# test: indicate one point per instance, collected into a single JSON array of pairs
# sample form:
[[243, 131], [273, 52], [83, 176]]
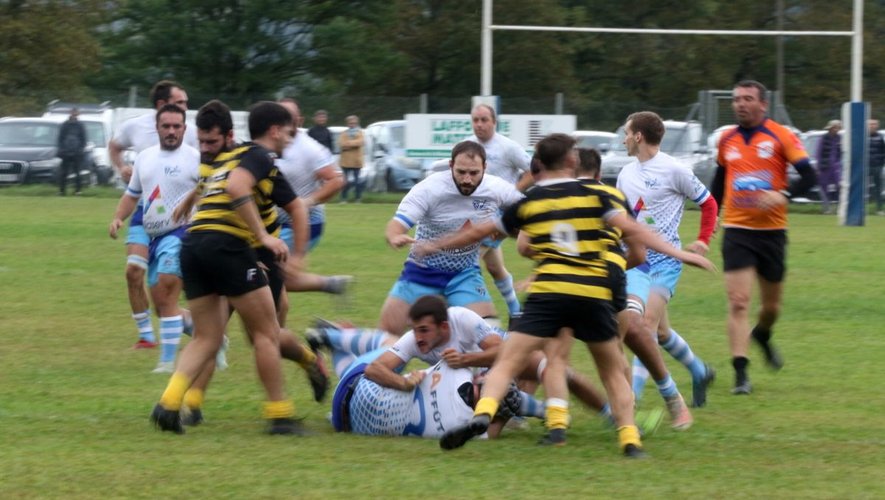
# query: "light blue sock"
[[144, 325], [679, 349], [640, 376], [667, 387], [530, 407], [606, 413], [170, 335], [341, 361], [356, 341], [505, 287]]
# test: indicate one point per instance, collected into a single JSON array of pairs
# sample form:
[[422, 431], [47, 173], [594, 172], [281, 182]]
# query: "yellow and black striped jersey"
[[214, 211], [575, 249]]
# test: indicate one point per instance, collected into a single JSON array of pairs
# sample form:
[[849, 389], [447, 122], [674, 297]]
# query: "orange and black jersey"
[[214, 211], [575, 248]]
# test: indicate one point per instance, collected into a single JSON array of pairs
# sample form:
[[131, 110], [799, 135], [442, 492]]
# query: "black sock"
[[762, 335], [740, 367]]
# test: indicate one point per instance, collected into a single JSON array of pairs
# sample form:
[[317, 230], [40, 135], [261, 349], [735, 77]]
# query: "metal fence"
[[591, 114]]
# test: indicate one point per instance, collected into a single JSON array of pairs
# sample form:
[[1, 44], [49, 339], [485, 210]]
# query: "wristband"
[[242, 200]]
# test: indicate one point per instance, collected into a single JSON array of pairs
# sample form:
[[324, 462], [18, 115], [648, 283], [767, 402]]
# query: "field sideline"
[[75, 399]]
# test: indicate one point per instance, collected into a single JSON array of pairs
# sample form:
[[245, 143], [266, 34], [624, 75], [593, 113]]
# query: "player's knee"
[[136, 267], [738, 302], [135, 275]]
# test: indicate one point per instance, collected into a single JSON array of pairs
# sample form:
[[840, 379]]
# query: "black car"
[[28, 151]]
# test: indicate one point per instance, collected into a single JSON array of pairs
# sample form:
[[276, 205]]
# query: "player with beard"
[[215, 130], [236, 222], [162, 177], [442, 203]]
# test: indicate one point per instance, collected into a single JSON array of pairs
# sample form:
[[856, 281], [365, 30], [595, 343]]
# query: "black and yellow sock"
[[486, 406], [629, 434], [308, 359], [174, 393], [556, 413], [193, 398], [278, 409]]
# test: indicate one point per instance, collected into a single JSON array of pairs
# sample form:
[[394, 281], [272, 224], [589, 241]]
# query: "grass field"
[[75, 399]]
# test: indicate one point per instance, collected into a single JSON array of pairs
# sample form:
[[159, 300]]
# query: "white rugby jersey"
[[299, 164], [161, 179], [467, 330], [656, 191], [505, 158], [140, 133], [429, 410], [438, 208]]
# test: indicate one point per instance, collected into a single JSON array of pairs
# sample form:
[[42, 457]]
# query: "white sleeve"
[[413, 207], [124, 135], [690, 186], [520, 159], [134, 188], [321, 158], [405, 348], [473, 328]]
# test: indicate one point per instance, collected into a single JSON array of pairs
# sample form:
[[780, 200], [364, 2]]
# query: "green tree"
[[47, 50], [242, 51]]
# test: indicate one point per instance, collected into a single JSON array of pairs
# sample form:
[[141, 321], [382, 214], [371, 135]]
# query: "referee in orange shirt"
[[751, 184]]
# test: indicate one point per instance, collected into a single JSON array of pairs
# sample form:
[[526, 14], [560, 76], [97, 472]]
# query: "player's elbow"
[[375, 372]]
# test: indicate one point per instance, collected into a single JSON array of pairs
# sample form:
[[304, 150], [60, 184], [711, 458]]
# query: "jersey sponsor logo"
[[154, 196], [479, 205], [155, 226], [765, 149], [172, 171], [651, 183], [751, 183], [732, 153]]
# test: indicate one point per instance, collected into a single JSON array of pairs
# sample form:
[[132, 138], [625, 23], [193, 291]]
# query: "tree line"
[[382, 54]]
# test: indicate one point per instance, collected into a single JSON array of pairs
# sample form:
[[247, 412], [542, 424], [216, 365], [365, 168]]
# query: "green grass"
[[74, 398]]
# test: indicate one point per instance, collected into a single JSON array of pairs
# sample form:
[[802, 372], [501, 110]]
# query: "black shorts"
[[274, 274], [543, 314], [766, 251], [218, 263]]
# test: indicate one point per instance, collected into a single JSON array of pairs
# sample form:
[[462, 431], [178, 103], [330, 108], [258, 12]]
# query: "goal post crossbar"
[[653, 31]]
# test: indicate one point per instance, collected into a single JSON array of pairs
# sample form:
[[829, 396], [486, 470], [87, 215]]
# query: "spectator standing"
[[877, 159], [351, 142], [320, 132], [71, 144], [829, 164]]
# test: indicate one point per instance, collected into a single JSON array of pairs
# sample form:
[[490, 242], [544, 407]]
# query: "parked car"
[[596, 139], [386, 167], [28, 151]]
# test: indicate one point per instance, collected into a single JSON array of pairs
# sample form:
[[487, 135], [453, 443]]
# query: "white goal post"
[[852, 206]]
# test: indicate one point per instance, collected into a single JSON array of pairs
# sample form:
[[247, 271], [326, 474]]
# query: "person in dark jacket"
[[320, 132], [875, 163], [829, 164], [71, 145]]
